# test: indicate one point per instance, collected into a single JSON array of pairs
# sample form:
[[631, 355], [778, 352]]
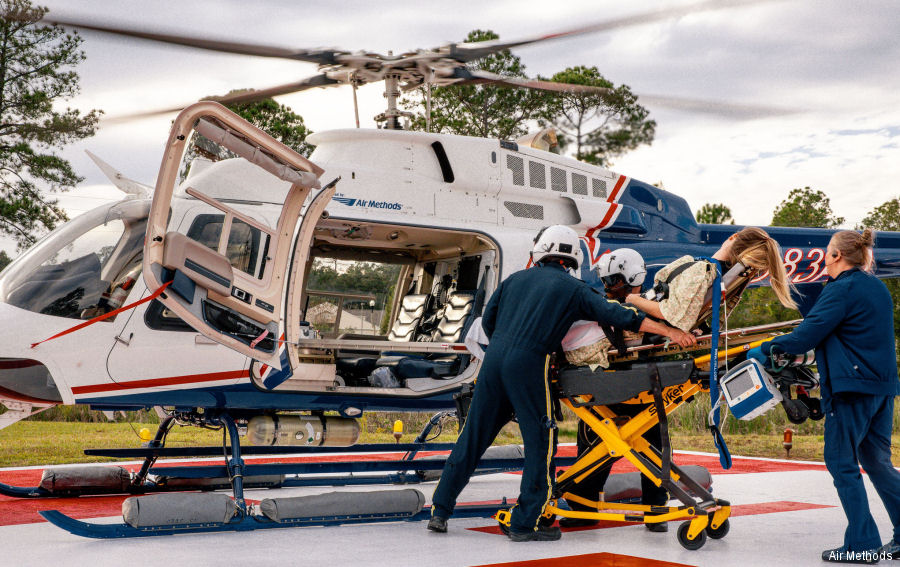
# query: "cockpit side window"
[[71, 283]]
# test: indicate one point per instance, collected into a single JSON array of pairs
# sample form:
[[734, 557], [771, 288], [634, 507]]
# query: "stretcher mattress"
[[610, 387]]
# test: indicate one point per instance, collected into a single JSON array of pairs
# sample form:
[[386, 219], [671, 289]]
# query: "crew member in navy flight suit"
[[525, 320], [852, 329]]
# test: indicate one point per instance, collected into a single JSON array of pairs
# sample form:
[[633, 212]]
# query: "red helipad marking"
[[15, 511], [590, 560], [739, 510]]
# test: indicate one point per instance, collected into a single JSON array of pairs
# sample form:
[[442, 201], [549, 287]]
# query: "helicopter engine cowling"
[[303, 430]]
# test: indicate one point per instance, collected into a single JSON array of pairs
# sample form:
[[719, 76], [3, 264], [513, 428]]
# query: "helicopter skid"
[[245, 523]]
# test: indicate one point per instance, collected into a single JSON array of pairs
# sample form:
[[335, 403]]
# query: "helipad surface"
[[784, 513]]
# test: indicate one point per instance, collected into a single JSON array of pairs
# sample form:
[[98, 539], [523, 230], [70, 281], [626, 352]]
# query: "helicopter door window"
[[246, 247]]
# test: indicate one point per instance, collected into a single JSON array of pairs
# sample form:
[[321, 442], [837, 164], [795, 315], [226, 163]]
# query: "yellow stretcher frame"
[[706, 517]]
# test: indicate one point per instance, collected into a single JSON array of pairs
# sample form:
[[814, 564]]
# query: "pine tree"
[[36, 71]]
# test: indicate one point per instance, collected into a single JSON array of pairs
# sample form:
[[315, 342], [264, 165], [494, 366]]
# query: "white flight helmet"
[[625, 262], [557, 241]]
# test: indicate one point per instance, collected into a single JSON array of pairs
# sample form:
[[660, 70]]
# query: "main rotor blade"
[[716, 108], [322, 57], [475, 50], [477, 76], [321, 80]]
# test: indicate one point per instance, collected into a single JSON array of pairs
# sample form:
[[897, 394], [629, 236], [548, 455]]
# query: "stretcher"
[[663, 377]]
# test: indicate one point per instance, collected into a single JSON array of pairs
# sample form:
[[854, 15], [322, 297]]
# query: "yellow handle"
[[735, 350]]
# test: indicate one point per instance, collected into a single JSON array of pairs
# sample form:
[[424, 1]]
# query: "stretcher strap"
[[666, 452], [718, 440], [89, 322]]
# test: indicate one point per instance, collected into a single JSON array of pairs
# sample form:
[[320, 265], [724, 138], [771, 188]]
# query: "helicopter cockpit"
[[83, 269]]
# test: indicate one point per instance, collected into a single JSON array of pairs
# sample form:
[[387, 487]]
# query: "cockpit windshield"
[[83, 269]]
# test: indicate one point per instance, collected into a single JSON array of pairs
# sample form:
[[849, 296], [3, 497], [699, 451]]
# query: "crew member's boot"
[[542, 533], [438, 524]]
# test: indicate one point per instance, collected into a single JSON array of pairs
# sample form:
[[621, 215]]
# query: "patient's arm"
[[677, 336], [646, 305]]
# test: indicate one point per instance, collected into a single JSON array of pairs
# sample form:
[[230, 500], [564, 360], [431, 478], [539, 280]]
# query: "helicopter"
[[229, 330]]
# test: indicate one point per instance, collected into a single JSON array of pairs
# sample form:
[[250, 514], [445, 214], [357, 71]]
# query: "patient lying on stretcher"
[[683, 289]]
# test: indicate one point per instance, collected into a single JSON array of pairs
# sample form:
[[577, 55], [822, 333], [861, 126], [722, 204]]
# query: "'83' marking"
[[793, 257]]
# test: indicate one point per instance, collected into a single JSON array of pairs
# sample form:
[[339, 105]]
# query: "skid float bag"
[[63, 479], [177, 509], [405, 502]]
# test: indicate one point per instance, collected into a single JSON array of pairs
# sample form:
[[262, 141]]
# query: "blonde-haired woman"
[[851, 327], [751, 246]]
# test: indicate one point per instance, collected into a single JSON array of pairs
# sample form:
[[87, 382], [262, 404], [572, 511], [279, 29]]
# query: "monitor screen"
[[739, 384]]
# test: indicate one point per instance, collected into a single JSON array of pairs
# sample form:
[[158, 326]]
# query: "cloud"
[[832, 61]]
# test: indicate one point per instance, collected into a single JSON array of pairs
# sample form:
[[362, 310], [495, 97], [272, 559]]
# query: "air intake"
[[524, 210]]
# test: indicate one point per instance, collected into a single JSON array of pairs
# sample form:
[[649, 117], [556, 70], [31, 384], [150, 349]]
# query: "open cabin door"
[[238, 307]]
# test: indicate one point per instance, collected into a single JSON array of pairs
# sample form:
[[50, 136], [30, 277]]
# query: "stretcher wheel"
[[719, 532], [691, 544]]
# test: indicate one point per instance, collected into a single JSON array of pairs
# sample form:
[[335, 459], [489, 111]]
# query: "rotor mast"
[[391, 116]]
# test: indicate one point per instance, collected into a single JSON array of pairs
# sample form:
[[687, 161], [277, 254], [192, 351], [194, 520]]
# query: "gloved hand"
[[758, 354]]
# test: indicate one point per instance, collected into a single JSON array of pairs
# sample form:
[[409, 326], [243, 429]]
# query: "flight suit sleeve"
[[489, 318], [595, 307], [823, 318]]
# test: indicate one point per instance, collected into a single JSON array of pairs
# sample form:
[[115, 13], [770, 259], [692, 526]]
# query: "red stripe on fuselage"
[[156, 382], [612, 207]]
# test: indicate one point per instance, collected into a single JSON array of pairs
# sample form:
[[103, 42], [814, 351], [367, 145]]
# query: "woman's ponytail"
[[778, 276]]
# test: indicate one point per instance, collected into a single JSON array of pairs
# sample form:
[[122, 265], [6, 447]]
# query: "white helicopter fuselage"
[[496, 192]]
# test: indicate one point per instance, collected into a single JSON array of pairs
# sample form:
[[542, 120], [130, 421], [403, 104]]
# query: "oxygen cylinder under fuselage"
[[303, 430]]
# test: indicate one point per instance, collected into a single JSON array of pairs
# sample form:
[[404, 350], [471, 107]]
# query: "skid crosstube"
[[216, 451], [337, 467], [622, 436]]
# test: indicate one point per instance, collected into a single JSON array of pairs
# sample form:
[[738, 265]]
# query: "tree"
[[601, 126], [4, 259], [806, 207], [277, 120], [714, 213], [36, 72], [887, 217], [484, 110], [883, 217]]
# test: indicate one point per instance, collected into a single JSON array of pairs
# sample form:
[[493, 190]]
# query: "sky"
[[834, 63]]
